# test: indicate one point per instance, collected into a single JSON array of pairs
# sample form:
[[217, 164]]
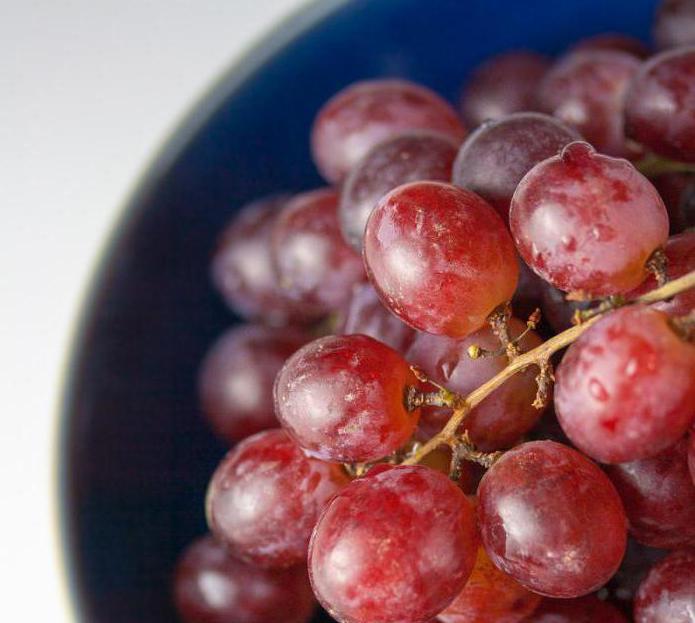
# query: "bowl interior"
[[136, 455]]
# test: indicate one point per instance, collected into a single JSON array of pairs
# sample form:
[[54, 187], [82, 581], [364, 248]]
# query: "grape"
[[625, 388], [588, 609], [315, 266], [680, 256], [394, 547], [613, 41], [492, 160], [237, 375], [660, 105], [369, 112], [529, 291], [633, 569], [408, 157], [490, 595], [242, 269], [691, 454], [265, 497], [211, 586], [659, 497], [674, 25], [551, 519], [677, 189], [586, 90], [366, 315], [503, 85], [668, 593], [587, 222], [439, 257], [507, 413], [343, 399], [557, 310]]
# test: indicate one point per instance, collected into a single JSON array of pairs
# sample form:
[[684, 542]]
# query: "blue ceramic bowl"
[[136, 455]]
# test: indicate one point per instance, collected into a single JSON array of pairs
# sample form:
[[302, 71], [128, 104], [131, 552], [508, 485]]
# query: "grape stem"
[[539, 356]]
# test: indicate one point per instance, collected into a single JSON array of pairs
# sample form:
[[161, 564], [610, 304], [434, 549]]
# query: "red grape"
[[674, 25], [366, 315], [613, 41], [691, 454], [660, 105], [490, 595], [394, 547], [633, 569], [503, 85], [242, 269], [659, 497], [409, 157], [507, 413], [667, 595], [367, 113], [625, 388], [266, 496], [587, 222], [551, 519], [237, 375], [588, 609], [211, 586], [677, 189], [439, 257], [492, 160], [586, 89], [315, 266], [557, 310], [680, 256], [343, 399]]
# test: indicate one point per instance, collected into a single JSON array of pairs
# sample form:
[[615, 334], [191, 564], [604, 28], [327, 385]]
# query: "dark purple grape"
[[586, 90], [667, 595], [237, 375], [551, 519], [659, 497], [660, 105], [674, 24], [211, 586], [503, 85], [410, 157], [494, 158]]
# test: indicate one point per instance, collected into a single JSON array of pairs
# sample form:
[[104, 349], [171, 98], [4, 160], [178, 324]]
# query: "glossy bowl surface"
[[135, 454]]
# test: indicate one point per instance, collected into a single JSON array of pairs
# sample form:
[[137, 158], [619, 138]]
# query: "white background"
[[88, 91]]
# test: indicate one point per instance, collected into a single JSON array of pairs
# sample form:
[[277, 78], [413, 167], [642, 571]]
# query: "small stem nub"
[[499, 323], [544, 382], [607, 304], [477, 352], [657, 265], [463, 450]]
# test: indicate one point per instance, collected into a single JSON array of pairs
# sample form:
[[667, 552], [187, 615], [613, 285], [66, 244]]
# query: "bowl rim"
[[261, 51]]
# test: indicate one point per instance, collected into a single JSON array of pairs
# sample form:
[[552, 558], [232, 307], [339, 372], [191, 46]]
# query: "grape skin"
[[342, 399], [551, 519], [394, 547], [586, 90], [624, 390], [502, 85], [236, 378], [408, 157], [588, 609], [369, 112], [674, 24], [439, 257], [660, 105], [659, 497], [266, 496], [493, 159], [211, 586], [587, 223], [667, 595], [490, 595], [316, 268], [506, 414]]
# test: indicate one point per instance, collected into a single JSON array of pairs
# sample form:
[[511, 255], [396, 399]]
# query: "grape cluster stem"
[[540, 357]]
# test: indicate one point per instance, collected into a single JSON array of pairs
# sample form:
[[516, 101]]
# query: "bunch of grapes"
[[406, 446]]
